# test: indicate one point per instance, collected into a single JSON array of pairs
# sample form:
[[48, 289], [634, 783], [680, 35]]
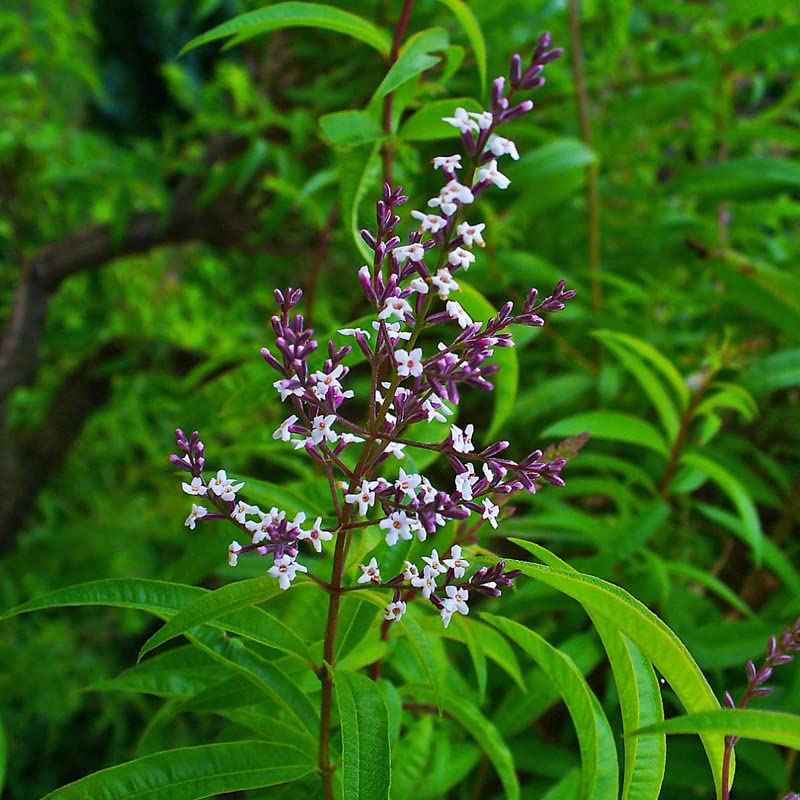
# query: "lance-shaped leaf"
[[190, 773], [366, 756], [611, 425], [599, 777]]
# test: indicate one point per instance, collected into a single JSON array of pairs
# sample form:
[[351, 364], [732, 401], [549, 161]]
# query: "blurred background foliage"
[[149, 204]]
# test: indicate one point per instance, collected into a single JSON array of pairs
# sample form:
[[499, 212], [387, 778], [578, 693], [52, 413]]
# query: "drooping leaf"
[[366, 755], [613, 425], [190, 773], [226, 600], [764, 726], [414, 57], [295, 15], [599, 776], [464, 14]]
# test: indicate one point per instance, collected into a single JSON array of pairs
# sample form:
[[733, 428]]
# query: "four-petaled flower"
[[461, 258], [435, 563], [197, 512], [413, 252], [395, 307], [223, 487], [285, 569], [408, 483], [426, 582], [394, 611], [456, 311], [398, 525], [490, 512], [491, 173], [409, 364], [444, 283], [364, 498], [429, 222], [455, 562], [462, 440], [472, 233], [449, 163], [370, 572], [456, 601], [322, 428], [282, 432], [316, 535], [196, 487], [501, 147], [461, 120], [451, 194]]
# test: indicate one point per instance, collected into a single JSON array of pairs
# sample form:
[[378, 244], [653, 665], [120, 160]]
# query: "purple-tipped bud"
[[279, 298], [772, 646], [365, 279], [533, 83], [552, 55], [541, 45], [497, 90], [515, 72], [763, 691], [751, 670], [763, 676], [368, 238], [729, 702], [782, 659], [180, 463], [517, 111]]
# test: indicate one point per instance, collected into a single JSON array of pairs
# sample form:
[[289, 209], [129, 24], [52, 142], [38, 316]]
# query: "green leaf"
[[651, 385], [731, 486], [466, 17], [356, 617], [350, 128], [654, 356], [419, 641], [280, 689], [599, 777], [553, 158], [613, 425], [366, 164], [413, 59], [640, 703], [776, 371], [3, 756], [506, 379], [764, 726], [295, 15], [481, 729], [426, 123], [366, 756], [477, 654], [649, 633], [712, 583], [747, 178], [267, 628], [193, 772]]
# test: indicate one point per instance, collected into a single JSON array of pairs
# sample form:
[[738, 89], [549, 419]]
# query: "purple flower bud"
[[180, 463], [751, 670], [552, 55], [541, 45], [516, 69], [763, 691], [729, 702], [368, 238], [517, 111], [763, 675]]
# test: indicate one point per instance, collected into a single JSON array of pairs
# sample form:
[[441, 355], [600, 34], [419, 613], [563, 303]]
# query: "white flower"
[[428, 492], [419, 286], [410, 571], [426, 582], [197, 512], [408, 483], [395, 449], [450, 163], [364, 498], [455, 562], [461, 120], [435, 408], [393, 329], [324, 380], [234, 548], [444, 283], [283, 386], [316, 535], [429, 222], [461, 258], [409, 364], [456, 601], [350, 438], [395, 307], [490, 512], [322, 428], [196, 487], [434, 563], [283, 432], [502, 147], [242, 509], [224, 487], [456, 311], [472, 233], [491, 173], [398, 525], [447, 615], [299, 444], [484, 119], [354, 331], [450, 194], [465, 481], [414, 252], [285, 569], [371, 572], [260, 528], [394, 611], [462, 440]]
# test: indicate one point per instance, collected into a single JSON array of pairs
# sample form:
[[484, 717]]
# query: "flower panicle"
[[411, 285]]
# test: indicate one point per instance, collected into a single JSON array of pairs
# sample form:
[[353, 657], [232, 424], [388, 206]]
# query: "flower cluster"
[[422, 348]]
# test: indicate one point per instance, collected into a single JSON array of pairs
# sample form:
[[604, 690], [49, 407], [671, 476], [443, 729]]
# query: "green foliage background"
[[687, 374]]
